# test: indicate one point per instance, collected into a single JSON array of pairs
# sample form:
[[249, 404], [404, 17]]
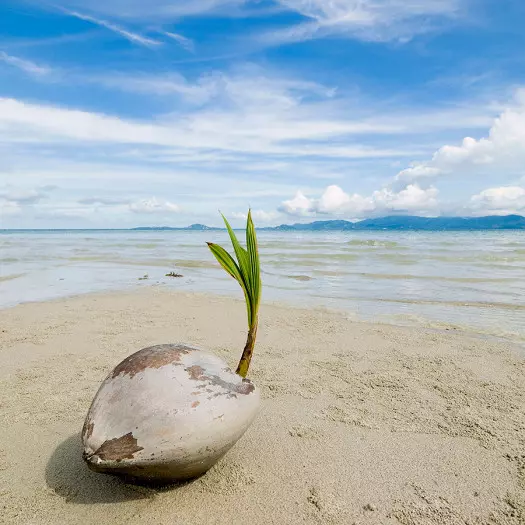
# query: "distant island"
[[395, 222], [194, 227]]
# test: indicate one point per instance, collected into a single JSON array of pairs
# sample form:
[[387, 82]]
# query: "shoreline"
[[360, 422], [352, 316]]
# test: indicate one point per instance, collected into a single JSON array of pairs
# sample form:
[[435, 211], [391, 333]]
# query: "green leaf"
[[247, 268], [255, 270], [228, 263], [240, 253]]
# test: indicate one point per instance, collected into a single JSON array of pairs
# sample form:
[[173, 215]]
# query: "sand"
[[360, 423]]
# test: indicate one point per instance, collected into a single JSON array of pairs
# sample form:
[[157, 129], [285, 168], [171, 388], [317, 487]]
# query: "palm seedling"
[[247, 272]]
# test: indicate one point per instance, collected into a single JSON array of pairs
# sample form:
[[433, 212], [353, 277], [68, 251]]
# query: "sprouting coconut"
[[170, 412]]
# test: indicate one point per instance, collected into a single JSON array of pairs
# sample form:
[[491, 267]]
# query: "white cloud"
[[249, 128], [22, 197], [300, 205], [365, 19], [14, 202], [154, 205], [502, 150], [256, 127], [25, 65], [335, 201], [412, 199], [199, 92], [161, 9], [257, 216], [506, 200], [104, 201], [183, 41], [8, 208], [132, 37]]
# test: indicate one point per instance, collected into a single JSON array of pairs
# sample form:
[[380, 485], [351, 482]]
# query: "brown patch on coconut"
[[152, 357], [118, 449], [230, 389], [87, 431], [246, 387], [195, 404], [196, 373]]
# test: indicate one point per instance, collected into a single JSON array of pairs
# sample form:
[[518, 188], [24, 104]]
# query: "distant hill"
[[395, 222], [409, 222], [193, 227]]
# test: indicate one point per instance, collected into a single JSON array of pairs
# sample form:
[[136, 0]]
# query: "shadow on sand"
[[69, 477]]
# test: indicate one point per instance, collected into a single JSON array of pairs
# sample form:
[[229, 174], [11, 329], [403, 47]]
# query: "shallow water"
[[473, 280]]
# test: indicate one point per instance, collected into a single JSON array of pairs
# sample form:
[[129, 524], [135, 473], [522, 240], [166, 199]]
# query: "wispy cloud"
[[132, 37], [264, 132], [154, 205], [156, 9], [184, 42], [172, 84], [25, 65], [104, 201], [247, 112], [23, 197], [379, 20]]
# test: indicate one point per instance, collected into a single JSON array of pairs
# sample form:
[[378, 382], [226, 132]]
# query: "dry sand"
[[360, 423]]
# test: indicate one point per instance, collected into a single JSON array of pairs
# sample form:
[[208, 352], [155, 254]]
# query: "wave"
[[392, 276], [374, 243], [167, 263], [4, 278]]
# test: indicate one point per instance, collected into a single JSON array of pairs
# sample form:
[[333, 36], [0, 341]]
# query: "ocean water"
[[469, 280]]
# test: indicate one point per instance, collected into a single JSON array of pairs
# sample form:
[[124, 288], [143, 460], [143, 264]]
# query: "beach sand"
[[360, 423]]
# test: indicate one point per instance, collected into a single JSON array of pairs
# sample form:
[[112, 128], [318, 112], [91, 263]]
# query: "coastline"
[[360, 422], [517, 341]]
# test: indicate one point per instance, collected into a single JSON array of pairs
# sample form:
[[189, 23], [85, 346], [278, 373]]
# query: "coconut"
[[167, 413], [170, 412]]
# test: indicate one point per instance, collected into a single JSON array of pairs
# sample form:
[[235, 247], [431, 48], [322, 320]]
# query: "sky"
[[125, 113]]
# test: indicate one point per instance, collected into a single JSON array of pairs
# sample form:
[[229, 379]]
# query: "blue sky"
[[120, 113]]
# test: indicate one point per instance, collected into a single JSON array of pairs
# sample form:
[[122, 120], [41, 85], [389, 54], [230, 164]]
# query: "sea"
[[473, 281]]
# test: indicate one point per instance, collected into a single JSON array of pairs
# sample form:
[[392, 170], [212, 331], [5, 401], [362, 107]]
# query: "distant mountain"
[[495, 222], [395, 222], [408, 222]]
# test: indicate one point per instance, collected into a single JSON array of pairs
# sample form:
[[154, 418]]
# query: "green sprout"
[[247, 272]]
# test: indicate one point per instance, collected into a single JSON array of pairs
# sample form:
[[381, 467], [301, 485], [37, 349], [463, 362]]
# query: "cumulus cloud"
[[502, 149], [300, 206], [335, 201], [505, 200], [154, 205]]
